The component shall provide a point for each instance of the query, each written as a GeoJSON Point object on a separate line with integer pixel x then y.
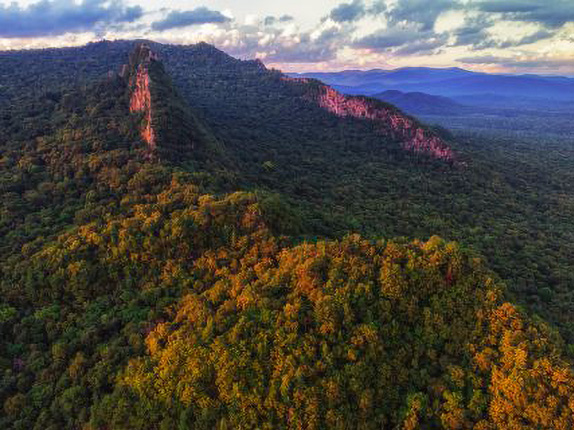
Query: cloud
{"type": "Point", "coordinates": [272, 20]}
{"type": "Point", "coordinates": [474, 31]}
{"type": "Point", "coordinates": [307, 47]}
{"type": "Point", "coordinates": [57, 17]}
{"type": "Point", "coordinates": [483, 59]}
{"type": "Point", "coordinates": [274, 43]}
{"type": "Point", "coordinates": [423, 12]}
{"type": "Point", "coordinates": [409, 28]}
{"type": "Point", "coordinates": [305, 53]}
{"type": "Point", "coordinates": [377, 8]}
{"type": "Point", "coordinates": [348, 12]}
{"type": "Point", "coordinates": [402, 40]}
{"type": "Point", "coordinates": [526, 40]}
{"type": "Point", "coordinates": [387, 38]}
{"type": "Point", "coordinates": [411, 23]}
{"type": "Point", "coordinates": [551, 13]}
{"type": "Point", "coordinates": [356, 10]}
{"type": "Point", "coordinates": [200, 15]}
{"type": "Point", "coordinates": [475, 34]}
{"type": "Point", "coordinates": [540, 63]}
{"type": "Point", "coordinates": [423, 47]}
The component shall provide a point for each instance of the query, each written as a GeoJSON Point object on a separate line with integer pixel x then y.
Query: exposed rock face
{"type": "Point", "coordinates": [414, 136]}
{"type": "Point", "coordinates": [141, 102]}
{"type": "Point", "coordinates": [168, 125]}
{"type": "Point", "coordinates": [139, 83]}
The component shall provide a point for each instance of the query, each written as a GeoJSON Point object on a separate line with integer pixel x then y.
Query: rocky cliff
{"type": "Point", "coordinates": [138, 74]}
{"type": "Point", "coordinates": [168, 125]}
{"type": "Point", "coordinates": [391, 121]}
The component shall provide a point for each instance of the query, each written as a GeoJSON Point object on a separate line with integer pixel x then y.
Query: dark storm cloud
{"type": "Point", "coordinates": [551, 13]}
{"type": "Point", "coordinates": [348, 12]}
{"type": "Point", "coordinates": [52, 18]}
{"type": "Point", "coordinates": [200, 15]}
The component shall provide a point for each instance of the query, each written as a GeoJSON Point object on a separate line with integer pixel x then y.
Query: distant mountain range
{"type": "Point", "coordinates": [462, 86]}
{"type": "Point", "coordinates": [422, 103]}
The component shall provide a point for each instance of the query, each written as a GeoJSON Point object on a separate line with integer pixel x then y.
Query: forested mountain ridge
{"type": "Point", "coordinates": [168, 125]}
{"type": "Point", "coordinates": [146, 292]}
{"type": "Point", "coordinates": [413, 136]}
{"type": "Point", "coordinates": [84, 71]}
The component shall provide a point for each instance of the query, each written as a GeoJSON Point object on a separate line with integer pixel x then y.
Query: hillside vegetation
{"type": "Point", "coordinates": [282, 271]}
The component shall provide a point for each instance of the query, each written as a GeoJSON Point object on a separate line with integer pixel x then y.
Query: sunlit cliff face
{"type": "Point", "coordinates": [401, 127]}
{"type": "Point", "coordinates": [141, 100]}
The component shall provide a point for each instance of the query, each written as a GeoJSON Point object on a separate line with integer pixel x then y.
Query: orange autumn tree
{"type": "Point", "coordinates": [350, 334]}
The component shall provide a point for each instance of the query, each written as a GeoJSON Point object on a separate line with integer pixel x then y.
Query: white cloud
{"type": "Point", "coordinates": [307, 34]}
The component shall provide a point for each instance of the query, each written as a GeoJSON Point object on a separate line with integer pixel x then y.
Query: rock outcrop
{"type": "Point", "coordinates": [391, 121]}
{"type": "Point", "coordinates": [168, 125]}
{"type": "Point", "coordinates": [139, 81]}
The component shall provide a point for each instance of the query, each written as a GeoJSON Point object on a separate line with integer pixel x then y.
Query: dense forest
{"type": "Point", "coordinates": [268, 264]}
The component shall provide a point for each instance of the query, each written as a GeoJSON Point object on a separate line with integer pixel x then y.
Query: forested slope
{"type": "Point", "coordinates": [221, 285]}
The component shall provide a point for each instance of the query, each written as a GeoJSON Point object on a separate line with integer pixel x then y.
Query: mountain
{"type": "Point", "coordinates": [503, 85]}
{"type": "Point", "coordinates": [421, 103]}
{"type": "Point", "coordinates": [168, 125]}
{"type": "Point", "coordinates": [392, 122]}
{"type": "Point", "coordinates": [453, 82]}
{"type": "Point", "coordinates": [193, 241]}
{"type": "Point", "coordinates": [376, 76]}
{"type": "Point", "coordinates": [519, 105]}
{"type": "Point", "coordinates": [220, 69]}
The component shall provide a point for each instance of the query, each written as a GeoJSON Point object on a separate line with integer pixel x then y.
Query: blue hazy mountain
{"type": "Point", "coordinates": [463, 86]}
{"type": "Point", "coordinates": [423, 104]}
{"type": "Point", "coordinates": [387, 77]}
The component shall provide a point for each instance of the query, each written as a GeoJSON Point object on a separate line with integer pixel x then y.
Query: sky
{"type": "Point", "coordinates": [500, 36]}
